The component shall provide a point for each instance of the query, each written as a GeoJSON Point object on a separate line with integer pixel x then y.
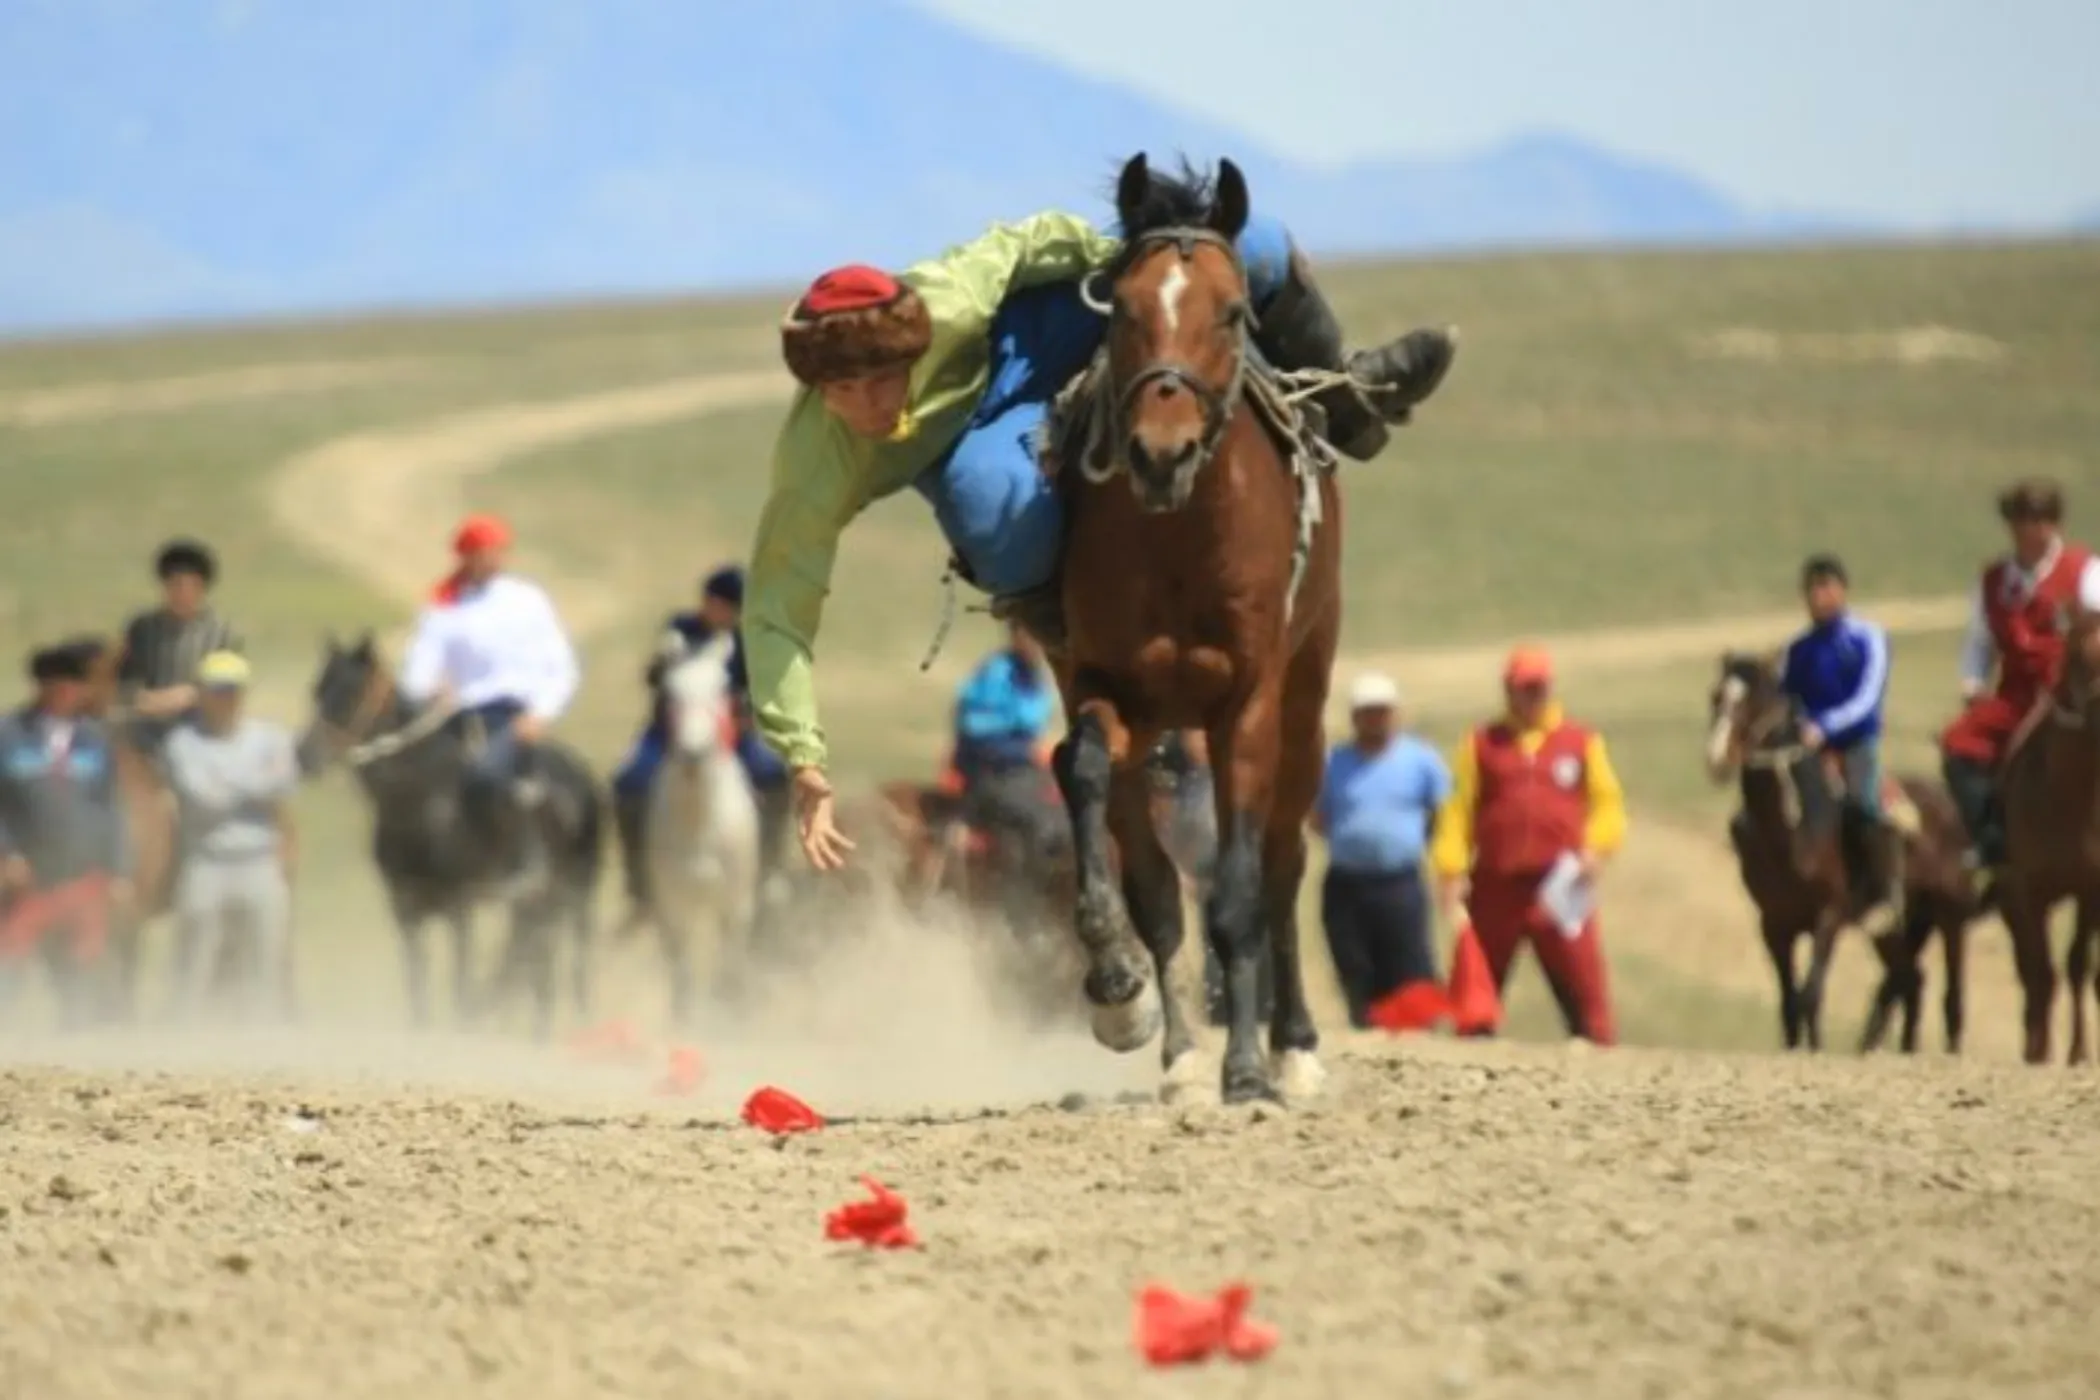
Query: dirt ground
{"type": "Point", "coordinates": [346, 1210]}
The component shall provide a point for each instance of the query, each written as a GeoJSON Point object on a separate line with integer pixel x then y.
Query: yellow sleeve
{"type": "Point", "coordinates": [1605, 831]}
{"type": "Point", "coordinates": [813, 497]}
{"type": "Point", "coordinates": [1451, 848]}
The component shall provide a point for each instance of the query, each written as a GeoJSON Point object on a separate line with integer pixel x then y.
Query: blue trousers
{"type": "Point", "coordinates": [1862, 767]}
{"type": "Point", "coordinates": [762, 767]}
{"type": "Point", "coordinates": [501, 759]}
{"type": "Point", "coordinates": [998, 510]}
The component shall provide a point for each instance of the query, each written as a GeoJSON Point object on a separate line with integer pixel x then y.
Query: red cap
{"type": "Point", "coordinates": [479, 532]}
{"type": "Point", "coordinates": [854, 287]}
{"type": "Point", "coordinates": [1528, 666]}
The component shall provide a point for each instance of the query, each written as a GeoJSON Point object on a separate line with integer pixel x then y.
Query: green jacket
{"type": "Point", "coordinates": [824, 475]}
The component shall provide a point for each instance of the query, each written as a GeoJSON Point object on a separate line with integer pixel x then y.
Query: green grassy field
{"type": "Point", "coordinates": [1627, 440]}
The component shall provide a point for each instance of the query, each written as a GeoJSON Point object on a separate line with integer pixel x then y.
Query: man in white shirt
{"type": "Point", "coordinates": [492, 646]}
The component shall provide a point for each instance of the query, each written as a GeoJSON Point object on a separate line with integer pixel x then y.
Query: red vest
{"type": "Point", "coordinates": [2029, 631]}
{"type": "Point", "coordinates": [1531, 807]}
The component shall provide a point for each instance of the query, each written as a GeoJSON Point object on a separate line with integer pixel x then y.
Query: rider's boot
{"type": "Point", "coordinates": [1974, 791]}
{"type": "Point", "coordinates": [1040, 609]}
{"type": "Point", "coordinates": [1298, 330]}
{"type": "Point", "coordinates": [525, 840]}
{"type": "Point", "coordinates": [1879, 882]}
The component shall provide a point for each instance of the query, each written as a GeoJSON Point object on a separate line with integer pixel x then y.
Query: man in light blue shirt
{"type": "Point", "coordinates": [1376, 806]}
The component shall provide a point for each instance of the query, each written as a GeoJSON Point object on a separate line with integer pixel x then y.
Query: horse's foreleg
{"type": "Point", "coordinates": [1152, 890]}
{"type": "Point", "coordinates": [2028, 921]}
{"type": "Point", "coordinates": [1954, 934]}
{"type": "Point", "coordinates": [1236, 914]}
{"type": "Point", "coordinates": [467, 998]}
{"type": "Point", "coordinates": [2078, 967]}
{"type": "Point", "coordinates": [534, 931]}
{"type": "Point", "coordinates": [415, 959]}
{"type": "Point", "coordinates": [1822, 948]}
{"type": "Point", "coordinates": [1779, 944]}
{"type": "Point", "coordinates": [1119, 984]}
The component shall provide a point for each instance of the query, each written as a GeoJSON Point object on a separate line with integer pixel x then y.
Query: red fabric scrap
{"type": "Point", "coordinates": [878, 1222]}
{"type": "Point", "coordinates": [777, 1111]}
{"type": "Point", "coordinates": [1175, 1329]}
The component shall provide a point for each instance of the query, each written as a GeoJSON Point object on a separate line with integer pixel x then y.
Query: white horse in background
{"type": "Point", "coordinates": [702, 826]}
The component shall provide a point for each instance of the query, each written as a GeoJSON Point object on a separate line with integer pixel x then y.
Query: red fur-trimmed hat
{"type": "Point", "coordinates": [853, 321]}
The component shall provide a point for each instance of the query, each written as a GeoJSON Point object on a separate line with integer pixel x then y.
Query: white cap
{"type": "Point", "coordinates": [1374, 691]}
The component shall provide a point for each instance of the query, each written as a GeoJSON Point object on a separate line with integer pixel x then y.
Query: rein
{"type": "Point", "coordinates": [357, 747]}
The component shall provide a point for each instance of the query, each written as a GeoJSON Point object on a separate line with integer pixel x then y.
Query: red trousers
{"type": "Point", "coordinates": [1506, 916]}
{"type": "Point", "coordinates": [81, 907]}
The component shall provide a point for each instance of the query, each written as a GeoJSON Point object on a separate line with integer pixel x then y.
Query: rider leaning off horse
{"type": "Point", "coordinates": [1837, 674]}
{"type": "Point", "coordinates": [491, 647]}
{"type": "Point", "coordinates": [156, 673]}
{"type": "Point", "coordinates": [720, 610]}
{"type": "Point", "coordinates": [2023, 608]}
{"type": "Point", "coordinates": [941, 379]}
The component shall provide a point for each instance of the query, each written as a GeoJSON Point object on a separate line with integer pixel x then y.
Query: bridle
{"type": "Point", "coordinates": [1216, 402]}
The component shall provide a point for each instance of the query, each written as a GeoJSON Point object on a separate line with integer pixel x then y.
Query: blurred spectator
{"type": "Point", "coordinates": [1377, 806]}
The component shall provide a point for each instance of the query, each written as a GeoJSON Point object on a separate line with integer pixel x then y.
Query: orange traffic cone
{"type": "Point", "coordinates": [1476, 1008]}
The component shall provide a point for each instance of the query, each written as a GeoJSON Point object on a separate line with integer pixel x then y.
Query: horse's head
{"type": "Point", "coordinates": [351, 695]}
{"type": "Point", "coordinates": [1746, 710]}
{"type": "Point", "coordinates": [698, 702]}
{"type": "Point", "coordinates": [2077, 696]}
{"type": "Point", "coordinates": [1178, 322]}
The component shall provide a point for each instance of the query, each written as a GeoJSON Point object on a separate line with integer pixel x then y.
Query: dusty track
{"type": "Point", "coordinates": [78, 403]}
{"type": "Point", "coordinates": [1455, 1222]}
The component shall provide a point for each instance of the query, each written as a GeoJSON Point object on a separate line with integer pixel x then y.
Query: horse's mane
{"type": "Point", "coordinates": [1183, 197]}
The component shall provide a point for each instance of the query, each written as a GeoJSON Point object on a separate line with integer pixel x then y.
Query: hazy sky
{"type": "Point", "coordinates": [1920, 111]}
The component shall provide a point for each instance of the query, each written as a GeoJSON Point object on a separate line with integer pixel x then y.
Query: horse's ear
{"type": "Point", "coordinates": [1131, 188]}
{"type": "Point", "coordinates": [1229, 210]}
{"type": "Point", "coordinates": [367, 646]}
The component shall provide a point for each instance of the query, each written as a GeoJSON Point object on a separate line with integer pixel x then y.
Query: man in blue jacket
{"type": "Point", "coordinates": [1001, 715]}
{"type": "Point", "coordinates": [1837, 673]}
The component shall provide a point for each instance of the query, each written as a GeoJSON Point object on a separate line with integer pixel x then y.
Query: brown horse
{"type": "Point", "coordinates": [2051, 791]}
{"type": "Point", "coordinates": [1201, 591]}
{"type": "Point", "coordinates": [1789, 847]}
{"type": "Point", "coordinates": [149, 814]}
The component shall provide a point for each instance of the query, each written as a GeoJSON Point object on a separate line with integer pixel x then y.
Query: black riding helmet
{"type": "Point", "coordinates": [186, 556]}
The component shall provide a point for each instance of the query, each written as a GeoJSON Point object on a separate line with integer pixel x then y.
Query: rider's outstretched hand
{"type": "Point", "coordinates": [822, 841]}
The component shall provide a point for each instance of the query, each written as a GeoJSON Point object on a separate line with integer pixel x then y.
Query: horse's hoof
{"type": "Point", "coordinates": [1249, 1084]}
{"type": "Point", "coordinates": [1129, 1025]}
{"type": "Point", "coordinates": [1186, 1081]}
{"type": "Point", "coordinates": [1300, 1075]}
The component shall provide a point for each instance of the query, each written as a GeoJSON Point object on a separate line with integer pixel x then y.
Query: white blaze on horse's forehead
{"type": "Point", "coordinates": [1171, 288]}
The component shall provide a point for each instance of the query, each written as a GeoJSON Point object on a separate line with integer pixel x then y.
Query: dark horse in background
{"type": "Point", "coordinates": [2051, 790]}
{"type": "Point", "coordinates": [1201, 591]}
{"type": "Point", "coordinates": [1791, 847]}
{"type": "Point", "coordinates": [434, 860]}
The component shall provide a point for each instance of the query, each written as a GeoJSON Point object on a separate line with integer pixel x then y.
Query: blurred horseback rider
{"type": "Point", "coordinates": [156, 673]}
{"type": "Point", "coordinates": [720, 609]}
{"type": "Point", "coordinates": [2023, 606]}
{"type": "Point", "coordinates": [492, 646]}
{"type": "Point", "coordinates": [940, 379]}
{"type": "Point", "coordinates": [1002, 713]}
{"type": "Point", "coordinates": [1837, 674]}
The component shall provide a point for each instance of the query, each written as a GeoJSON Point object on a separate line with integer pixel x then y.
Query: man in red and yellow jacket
{"type": "Point", "coordinates": [1528, 790]}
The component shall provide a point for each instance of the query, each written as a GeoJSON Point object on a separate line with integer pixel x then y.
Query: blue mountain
{"type": "Point", "coordinates": [181, 158]}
